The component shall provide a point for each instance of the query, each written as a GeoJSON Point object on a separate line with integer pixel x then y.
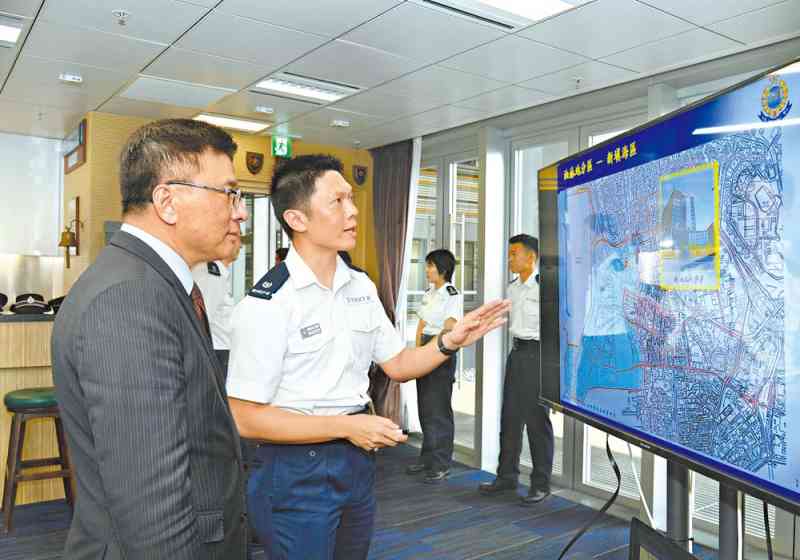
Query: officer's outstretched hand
{"type": "Point", "coordinates": [373, 432]}
{"type": "Point", "coordinates": [477, 323]}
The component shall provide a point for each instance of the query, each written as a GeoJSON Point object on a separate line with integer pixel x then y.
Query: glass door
{"type": "Point", "coordinates": [463, 224]}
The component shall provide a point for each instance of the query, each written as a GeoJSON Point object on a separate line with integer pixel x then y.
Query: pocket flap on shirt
{"type": "Point", "coordinates": [363, 319]}
{"type": "Point", "coordinates": [211, 526]}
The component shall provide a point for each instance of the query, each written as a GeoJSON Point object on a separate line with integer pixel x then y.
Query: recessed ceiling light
{"type": "Point", "coordinates": [340, 123]}
{"type": "Point", "coordinates": [10, 30]}
{"type": "Point", "coordinates": [507, 14]}
{"type": "Point", "coordinates": [122, 16]}
{"type": "Point", "coordinates": [306, 88]}
{"type": "Point", "coordinates": [232, 123]}
{"type": "Point", "coordinates": [71, 79]}
{"type": "Point", "coordinates": [264, 109]}
{"type": "Point", "coordinates": [791, 69]}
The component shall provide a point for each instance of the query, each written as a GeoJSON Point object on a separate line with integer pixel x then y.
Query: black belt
{"type": "Point", "coordinates": [520, 342]}
{"type": "Point", "coordinates": [364, 410]}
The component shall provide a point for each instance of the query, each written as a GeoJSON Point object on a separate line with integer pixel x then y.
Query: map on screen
{"type": "Point", "coordinates": [677, 319]}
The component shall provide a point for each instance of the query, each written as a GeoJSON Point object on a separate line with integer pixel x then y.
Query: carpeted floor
{"type": "Point", "coordinates": [450, 521]}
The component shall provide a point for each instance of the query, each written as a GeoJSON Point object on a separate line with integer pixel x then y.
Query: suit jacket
{"type": "Point", "coordinates": [152, 440]}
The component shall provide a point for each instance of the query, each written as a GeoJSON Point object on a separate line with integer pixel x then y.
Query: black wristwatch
{"type": "Point", "coordinates": [440, 343]}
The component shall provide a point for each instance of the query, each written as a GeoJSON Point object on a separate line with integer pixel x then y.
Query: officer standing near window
{"type": "Point", "coordinates": [213, 279]}
{"type": "Point", "coordinates": [442, 306]}
{"type": "Point", "coordinates": [303, 341]}
{"type": "Point", "coordinates": [521, 406]}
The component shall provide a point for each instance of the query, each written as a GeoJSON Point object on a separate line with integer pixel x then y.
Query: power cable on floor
{"type": "Point", "coordinates": [605, 507]}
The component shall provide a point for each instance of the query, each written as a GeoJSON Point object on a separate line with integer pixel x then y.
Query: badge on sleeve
{"type": "Point", "coordinates": [452, 290]}
{"type": "Point", "coordinates": [213, 269]}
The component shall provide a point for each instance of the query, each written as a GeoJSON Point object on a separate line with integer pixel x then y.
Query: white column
{"type": "Point", "coordinates": [493, 153]}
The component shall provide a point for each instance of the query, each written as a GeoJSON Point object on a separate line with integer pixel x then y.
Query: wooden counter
{"type": "Point", "coordinates": [25, 362]}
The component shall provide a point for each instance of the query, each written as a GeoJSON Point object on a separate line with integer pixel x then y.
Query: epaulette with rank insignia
{"type": "Point", "coordinates": [452, 290]}
{"type": "Point", "coordinates": [271, 282]}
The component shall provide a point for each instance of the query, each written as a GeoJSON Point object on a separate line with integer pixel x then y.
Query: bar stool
{"type": "Point", "coordinates": [24, 405]}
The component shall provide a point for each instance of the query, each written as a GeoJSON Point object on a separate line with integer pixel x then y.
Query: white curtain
{"type": "Point", "coordinates": [408, 391]}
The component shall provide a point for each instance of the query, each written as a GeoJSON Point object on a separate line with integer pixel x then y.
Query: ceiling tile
{"type": "Point", "coordinates": [440, 118]}
{"type": "Point", "coordinates": [243, 104]}
{"type": "Point", "coordinates": [36, 120]}
{"type": "Point", "coordinates": [162, 21]}
{"type": "Point", "coordinates": [440, 84]}
{"type": "Point", "coordinates": [353, 64]}
{"type": "Point", "coordinates": [702, 12]}
{"type": "Point", "coordinates": [691, 46]}
{"type": "Point", "coordinates": [90, 47]}
{"type": "Point", "coordinates": [323, 117]}
{"type": "Point", "coordinates": [776, 21]}
{"type": "Point", "coordinates": [511, 98]}
{"type": "Point", "coordinates": [27, 8]}
{"type": "Point", "coordinates": [245, 39]}
{"type": "Point", "coordinates": [422, 34]}
{"type": "Point", "coordinates": [146, 109]}
{"type": "Point", "coordinates": [605, 27]}
{"type": "Point", "coordinates": [35, 80]}
{"type": "Point", "coordinates": [322, 17]}
{"type": "Point", "coordinates": [592, 75]}
{"type": "Point", "coordinates": [374, 102]}
{"type": "Point", "coordinates": [198, 68]}
{"type": "Point", "coordinates": [513, 59]}
{"type": "Point", "coordinates": [173, 92]}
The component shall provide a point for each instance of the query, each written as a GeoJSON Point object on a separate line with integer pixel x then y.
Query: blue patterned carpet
{"type": "Point", "coordinates": [417, 521]}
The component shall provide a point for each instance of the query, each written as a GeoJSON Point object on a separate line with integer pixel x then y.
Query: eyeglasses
{"type": "Point", "coordinates": [234, 195]}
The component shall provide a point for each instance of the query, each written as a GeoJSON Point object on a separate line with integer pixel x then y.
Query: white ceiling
{"type": "Point", "coordinates": [421, 69]}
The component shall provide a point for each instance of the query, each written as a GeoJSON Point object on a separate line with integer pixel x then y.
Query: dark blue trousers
{"type": "Point", "coordinates": [313, 501]}
{"type": "Point", "coordinates": [434, 400]}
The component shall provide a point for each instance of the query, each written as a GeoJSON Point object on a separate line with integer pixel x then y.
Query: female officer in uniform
{"type": "Point", "coordinates": [442, 307]}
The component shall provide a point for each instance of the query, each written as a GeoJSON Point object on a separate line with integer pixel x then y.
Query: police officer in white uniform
{"type": "Point", "coordinates": [441, 307]}
{"type": "Point", "coordinates": [303, 340]}
{"type": "Point", "coordinates": [213, 279]}
{"type": "Point", "coordinates": [521, 406]}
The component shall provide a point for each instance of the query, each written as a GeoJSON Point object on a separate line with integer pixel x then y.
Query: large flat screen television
{"type": "Point", "coordinates": [670, 263]}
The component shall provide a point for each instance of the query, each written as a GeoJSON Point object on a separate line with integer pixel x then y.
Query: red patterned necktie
{"type": "Point", "coordinates": [200, 308]}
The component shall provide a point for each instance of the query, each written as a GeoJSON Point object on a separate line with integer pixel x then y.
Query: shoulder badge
{"type": "Point", "coordinates": [452, 290]}
{"type": "Point", "coordinates": [271, 282]}
{"type": "Point", "coordinates": [213, 269]}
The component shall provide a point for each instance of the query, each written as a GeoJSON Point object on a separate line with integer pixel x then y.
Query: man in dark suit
{"type": "Point", "coordinates": [141, 393]}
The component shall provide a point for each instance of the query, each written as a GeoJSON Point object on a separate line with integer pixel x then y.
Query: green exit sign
{"type": "Point", "coordinates": [281, 146]}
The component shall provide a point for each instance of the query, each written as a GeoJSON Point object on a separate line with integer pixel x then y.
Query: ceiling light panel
{"type": "Point", "coordinates": [223, 121]}
{"type": "Point", "coordinates": [10, 30]}
{"type": "Point", "coordinates": [509, 15]}
{"type": "Point", "coordinates": [305, 88]}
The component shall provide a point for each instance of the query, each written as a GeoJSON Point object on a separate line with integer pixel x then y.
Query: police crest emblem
{"type": "Point", "coordinates": [360, 174]}
{"type": "Point", "coordinates": [775, 103]}
{"type": "Point", "coordinates": [255, 162]}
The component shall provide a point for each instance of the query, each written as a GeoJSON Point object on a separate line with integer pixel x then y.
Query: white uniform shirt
{"type": "Point", "coordinates": [309, 348]}
{"type": "Point", "coordinates": [218, 299]}
{"type": "Point", "coordinates": [438, 305]}
{"type": "Point", "coordinates": [524, 298]}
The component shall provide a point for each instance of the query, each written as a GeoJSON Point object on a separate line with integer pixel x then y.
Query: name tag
{"type": "Point", "coordinates": [311, 330]}
{"type": "Point", "coordinates": [358, 300]}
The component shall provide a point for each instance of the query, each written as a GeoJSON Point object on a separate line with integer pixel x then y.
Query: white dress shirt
{"type": "Point", "coordinates": [439, 305]}
{"type": "Point", "coordinates": [213, 279]}
{"type": "Point", "coordinates": [524, 298]}
{"type": "Point", "coordinates": [309, 348]}
{"type": "Point", "coordinates": [174, 261]}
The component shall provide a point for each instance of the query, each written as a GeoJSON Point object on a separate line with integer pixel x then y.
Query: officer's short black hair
{"type": "Point", "coordinates": [165, 150]}
{"type": "Point", "coordinates": [293, 183]}
{"type": "Point", "coordinates": [281, 253]}
{"type": "Point", "coordinates": [444, 261]}
{"type": "Point", "coordinates": [528, 240]}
